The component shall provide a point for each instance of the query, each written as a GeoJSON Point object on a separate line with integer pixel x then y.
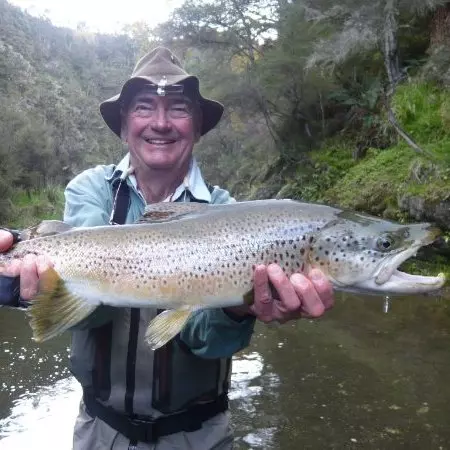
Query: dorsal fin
{"type": "Point", "coordinates": [45, 228]}
{"type": "Point", "coordinates": [168, 211]}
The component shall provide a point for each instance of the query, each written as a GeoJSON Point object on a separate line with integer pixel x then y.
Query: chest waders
{"type": "Point", "coordinates": [188, 389]}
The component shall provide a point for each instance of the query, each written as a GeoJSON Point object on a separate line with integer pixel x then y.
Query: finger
{"type": "Point", "coordinates": [311, 304]}
{"type": "Point", "coordinates": [323, 287]}
{"type": "Point", "coordinates": [6, 240]}
{"type": "Point", "coordinates": [262, 306]}
{"type": "Point", "coordinates": [12, 269]}
{"type": "Point", "coordinates": [289, 300]}
{"type": "Point", "coordinates": [43, 264]}
{"type": "Point", "coordinates": [28, 277]}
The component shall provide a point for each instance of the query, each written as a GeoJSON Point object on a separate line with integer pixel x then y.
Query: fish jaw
{"type": "Point", "coordinates": [404, 283]}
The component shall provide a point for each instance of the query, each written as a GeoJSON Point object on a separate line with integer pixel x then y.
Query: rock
{"type": "Point", "coordinates": [421, 209]}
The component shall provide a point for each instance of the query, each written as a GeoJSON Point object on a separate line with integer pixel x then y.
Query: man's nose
{"type": "Point", "coordinates": [161, 120]}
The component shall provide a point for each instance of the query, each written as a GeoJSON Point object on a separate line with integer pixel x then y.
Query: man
{"type": "Point", "coordinates": [175, 397]}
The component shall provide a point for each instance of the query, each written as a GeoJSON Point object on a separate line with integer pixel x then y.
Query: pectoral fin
{"type": "Point", "coordinates": [166, 326]}
{"type": "Point", "coordinates": [55, 309]}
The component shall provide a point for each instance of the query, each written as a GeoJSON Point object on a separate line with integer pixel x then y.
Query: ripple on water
{"type": "Point", "coordinates": [35, 415]}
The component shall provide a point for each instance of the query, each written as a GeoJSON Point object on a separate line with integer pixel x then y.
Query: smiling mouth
{"type": "Point", "coordinates": [159, 141]}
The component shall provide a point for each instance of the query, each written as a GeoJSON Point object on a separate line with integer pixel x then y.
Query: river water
{"type": "Point", "coordinates": [359, 378]}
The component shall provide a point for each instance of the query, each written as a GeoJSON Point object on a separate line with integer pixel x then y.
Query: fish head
{"type": "Point", "coordinates": [362, 253]}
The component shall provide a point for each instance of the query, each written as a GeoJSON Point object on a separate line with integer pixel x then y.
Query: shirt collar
{"type": "Point", "coordinates": [193, 181]}
{"type": "Point", "coordinates": [120, 168]}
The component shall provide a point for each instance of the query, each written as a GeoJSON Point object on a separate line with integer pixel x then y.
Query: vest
{"type": "Point", "coordinates": [177, 379]}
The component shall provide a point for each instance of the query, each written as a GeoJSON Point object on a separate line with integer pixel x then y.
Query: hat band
{"type": "Point", "coordinates": [162, 89]}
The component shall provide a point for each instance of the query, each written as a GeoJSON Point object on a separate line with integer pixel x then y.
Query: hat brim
{"type": "Point", "coordinates": [111, 109]}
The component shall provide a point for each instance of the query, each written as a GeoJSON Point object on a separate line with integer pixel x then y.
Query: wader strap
{"type": "Point", "coordinates": [144, 429]}
{"type": "Point", "coordinates": [121, 194]}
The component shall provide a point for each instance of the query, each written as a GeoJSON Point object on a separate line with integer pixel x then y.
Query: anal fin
{"type": "Point", "coordinates": [54, 309]}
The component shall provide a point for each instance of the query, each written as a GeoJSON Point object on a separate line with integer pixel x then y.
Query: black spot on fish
{"type": "Point", "coordinates": [302, 251]}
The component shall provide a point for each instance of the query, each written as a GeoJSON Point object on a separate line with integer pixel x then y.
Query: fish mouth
{"type": "Point", "coordinates": [390, 279]}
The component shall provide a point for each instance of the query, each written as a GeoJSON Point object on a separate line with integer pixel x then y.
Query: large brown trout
{"type": "Point", "coordinates": [185, 256]}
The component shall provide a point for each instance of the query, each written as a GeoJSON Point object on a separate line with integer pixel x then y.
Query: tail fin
{"type": "Point", "coordinates": [54, 309]}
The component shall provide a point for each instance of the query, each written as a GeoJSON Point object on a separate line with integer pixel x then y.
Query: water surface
{"type": "Point", "coordinates": [359, 378]}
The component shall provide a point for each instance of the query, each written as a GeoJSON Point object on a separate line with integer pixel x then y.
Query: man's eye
{"type": "Point", "coordinates": [142, 107]}
{"type": "Point", "coordinates": [180, 108]}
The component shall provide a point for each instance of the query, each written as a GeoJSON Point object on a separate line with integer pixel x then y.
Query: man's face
{"type": "Point", "coordinates": [160, 131]}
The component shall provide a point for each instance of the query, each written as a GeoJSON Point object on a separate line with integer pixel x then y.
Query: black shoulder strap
{"type": "Point", "coordinates": [122, 202]}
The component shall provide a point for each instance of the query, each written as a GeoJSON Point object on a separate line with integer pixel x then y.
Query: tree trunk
{"type": "Point", "coordinates": [440, 27]}
{"type": "Point", "coordinates": [389, 45]}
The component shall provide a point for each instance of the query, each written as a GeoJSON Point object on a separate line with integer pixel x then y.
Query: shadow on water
{"type": "Point", "coordinates": [356, 379]}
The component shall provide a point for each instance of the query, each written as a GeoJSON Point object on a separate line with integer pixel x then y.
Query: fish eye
{"type": "Point", "coordinates": [385, 242]}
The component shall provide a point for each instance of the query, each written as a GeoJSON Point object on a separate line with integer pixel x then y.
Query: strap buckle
{"type": "Point", "coordinates": [143, 430]}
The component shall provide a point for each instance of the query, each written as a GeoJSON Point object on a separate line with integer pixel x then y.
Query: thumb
{"type": "Point", "coordinates": [6, 240]}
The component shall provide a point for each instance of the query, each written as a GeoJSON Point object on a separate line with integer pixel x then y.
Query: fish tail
{"type": "Point", "coordinates": [55, 309]}
{"type": "Point", "coordinates": [166, 326]}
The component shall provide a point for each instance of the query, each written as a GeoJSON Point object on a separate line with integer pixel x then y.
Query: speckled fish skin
{"type": "Point", "coordinates": [206, 256]}
{"type": "Point", "coordinates": [188, 256]}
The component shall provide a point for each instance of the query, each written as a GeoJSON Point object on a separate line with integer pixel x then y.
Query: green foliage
{"type": "Point", "coordinates": [30, 207]}
{"type": "Point", "coordinates": [373, 184]}
{"type": "Point", "coordinates": [423, 109]}
{"type": "Point", "coordinates": [51, 82]}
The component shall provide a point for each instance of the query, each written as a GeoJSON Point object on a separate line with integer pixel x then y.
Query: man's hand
{"type": "Point", "coordinates": [298, 296]}
{"type": "Point", "coordinates": [29, 268]}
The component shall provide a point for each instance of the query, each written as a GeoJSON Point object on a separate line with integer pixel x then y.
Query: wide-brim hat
{"type": "Point", "coordinates": [160, 68]}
